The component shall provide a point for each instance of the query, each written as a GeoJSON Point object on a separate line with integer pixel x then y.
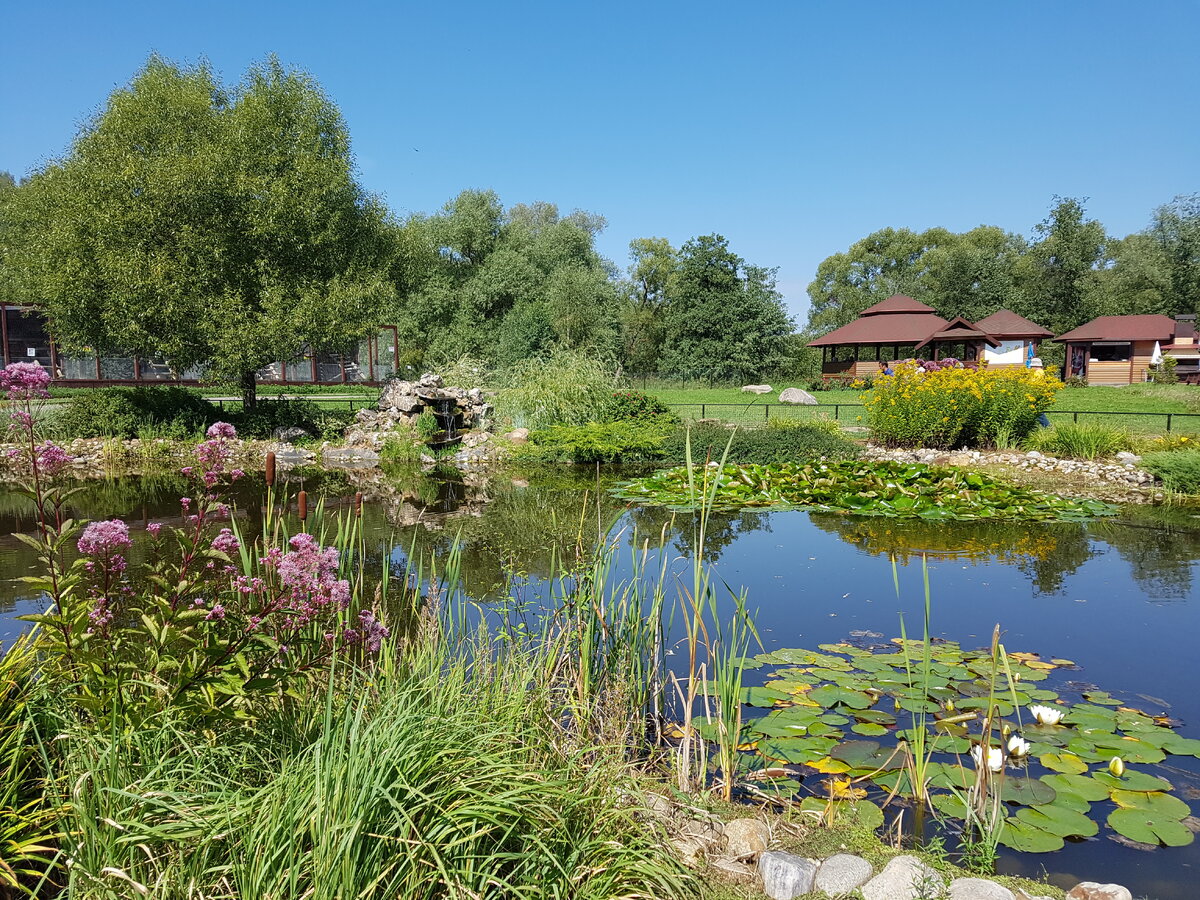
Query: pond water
{"type": "Point", "coordinates": [1118, 597]}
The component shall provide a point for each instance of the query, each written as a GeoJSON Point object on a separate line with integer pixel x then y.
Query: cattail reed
{"type": "Point", "coordinates": [358, 498]}
{"type": "Point", "coordinates": [302, 505]}
{"type": "Point", "coordinates": [271, 468]}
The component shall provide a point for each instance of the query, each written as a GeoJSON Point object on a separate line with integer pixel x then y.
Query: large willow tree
{"type": "Point", "coordinates": [215, 227]}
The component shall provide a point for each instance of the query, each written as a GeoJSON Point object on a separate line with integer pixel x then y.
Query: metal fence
{"type": "Point", "coordinates": [320, 401]}
{"type": "Point", "coordinates": [851, 414]}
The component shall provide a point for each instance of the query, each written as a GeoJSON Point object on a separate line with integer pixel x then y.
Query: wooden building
{"type": "Point", "coordinates": [1115, 350]}
{"type": "Point", "coordinates": [24, 338]}
{"type": "Point", "coordinates": [903, 328]}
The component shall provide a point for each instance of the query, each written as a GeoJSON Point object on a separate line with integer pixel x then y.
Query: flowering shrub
{"type": "Point", "coordinates": [951, 406]}
{"type": "Point", "coordinates": [205, 623]}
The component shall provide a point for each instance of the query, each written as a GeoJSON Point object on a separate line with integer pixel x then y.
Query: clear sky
{"type": "Point", "coordinates": [793, 128]}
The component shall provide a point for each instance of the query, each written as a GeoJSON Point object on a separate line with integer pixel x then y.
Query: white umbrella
{"type": "Point", "coordinates": [1156, 356]}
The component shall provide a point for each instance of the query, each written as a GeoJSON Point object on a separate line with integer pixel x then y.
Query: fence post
{"type": "Point", "coordinates": [1169, 415]}
{"type": "Point", "coordinates": [766, 412]}
{"type": "Point", "coordinates": [837, 411]}
{"type": "Point", "coordinates": [1075, 417]}
{"type": "Point", "coordinates": [702, 415]}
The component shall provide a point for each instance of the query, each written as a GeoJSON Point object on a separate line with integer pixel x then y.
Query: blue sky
{"type": "Point", "coordinates": [791, 128]}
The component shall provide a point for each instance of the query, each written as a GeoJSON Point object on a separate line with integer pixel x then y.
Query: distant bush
{"type": "Point", "coordinates": [951, 407]}
{"type": "Point", "coordinates": [1085, 440]}
{"type": "Point", "coordinates": [567, 388]}
{"type": "Point", "coordinates": [1179, 470]}
{"type": "Point", "coordinates": [634, 405]}
{"type": "Point", "coordinates": [623, 441]}
{"type": "Point", "coordinates": [781, 443]}
{"type": "Point", "coordinates": [127, 412]}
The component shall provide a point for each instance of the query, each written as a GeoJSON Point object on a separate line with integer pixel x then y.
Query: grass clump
{"type": "Point", "coordinates": [607, 442]}
{"type": "Point", "coordinates": [566, 388]}
{"type": "Point", "coordinates": [1082, 440]}
{"type": "Point", "coordinates": [1179, 470]}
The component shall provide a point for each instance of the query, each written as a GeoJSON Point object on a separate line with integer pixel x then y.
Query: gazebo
{"type": "Point", "coordinates": [901, 327]}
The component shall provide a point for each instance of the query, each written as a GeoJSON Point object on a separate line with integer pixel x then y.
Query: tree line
{"type": "Point", "coordinates": [223, 227]}
{"type": "Point", "coordinates": [1071, 270]}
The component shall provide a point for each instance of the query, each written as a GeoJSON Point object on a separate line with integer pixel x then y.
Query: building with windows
{"type": "Point", "coordinates": [903, 328]}
{"type": "Point", "coordinates": [1125, 349]}
{"type": "Point", "coordinates": [26, 339]}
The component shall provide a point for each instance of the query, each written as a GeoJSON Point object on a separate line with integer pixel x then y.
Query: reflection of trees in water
{"type": "Point", "coordinates": [1046, 553]}
{"type": "Point", "coordinates": [1160, 544]}
{"type": "Point", "coordinates": [682, 528]}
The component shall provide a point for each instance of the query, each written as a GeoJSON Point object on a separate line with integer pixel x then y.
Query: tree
{"type": "Point", "coordinates": [1176, 230]}
{"type": "Point", "coordinates": [213, 227]}
{"type": "Point", "coordinates": [726, 320]}
{"type": "Point", "coordinates": [652, 273]}
{"type": "Point", "coordinates": [1055, 273]}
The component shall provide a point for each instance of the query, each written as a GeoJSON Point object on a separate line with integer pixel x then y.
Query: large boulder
{"type": "Point", "coordinates": [904, 878]}
{"type": "Point", "coordinates": [756, 389]}
{"type": "Point", "coordinates": [795, 395]}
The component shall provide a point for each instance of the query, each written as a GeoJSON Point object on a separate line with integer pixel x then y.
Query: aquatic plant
{"type": "Point", "coordinates": [830, 709]}
{"type": "Point", "coordinates": [864, 488]}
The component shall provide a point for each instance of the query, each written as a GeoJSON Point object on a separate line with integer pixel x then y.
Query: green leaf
{"type": "Point", "coordinates": [1059, 821]}
{"type": "Point", "coordinates": [1147, 828]}
{"type": "Point", "coordinates": [1067, 763]}
{"type": "Point", "coordinates": [1027, 838]}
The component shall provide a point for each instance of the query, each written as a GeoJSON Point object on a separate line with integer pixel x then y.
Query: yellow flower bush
{"type": "Point", "coordinates": [953, 407]}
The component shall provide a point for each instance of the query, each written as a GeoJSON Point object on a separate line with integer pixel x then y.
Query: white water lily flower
{"type": "Point", "coordinates": [1046, 715]}
{"type": "Point", "coordinates": [1017, 746]}
{"type": "Point", "coordinates": [995, 758]}
{"type": "Point", "coordinates": [1116, 766]}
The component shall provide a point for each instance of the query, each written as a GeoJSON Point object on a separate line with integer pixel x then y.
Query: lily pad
{"type": "Point", "coordinates": [1059, 821]}
{"type": "Point", "coordinates": [1067, 763]}
{"type": "Point", "coordinates": [1145, 827]}
{"type": "Point", "coordinates": [1026, 791]}
{"type": "Point", "coordinates": [1133, 781]}
{"type": "Point", "coordinates": [1027, 838]}
{"type": "Point", "coordinates": [1082, 785]}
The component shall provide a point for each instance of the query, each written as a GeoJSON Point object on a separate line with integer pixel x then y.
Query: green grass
{"type": "Point", "coordinates": [1136, 403]}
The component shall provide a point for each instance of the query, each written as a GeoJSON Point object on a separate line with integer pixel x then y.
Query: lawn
{"type": "Point", "coordinates": [1136, 403]}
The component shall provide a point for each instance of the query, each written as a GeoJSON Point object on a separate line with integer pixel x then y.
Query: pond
{"type": "Point", "coordinates": [1116, 596]}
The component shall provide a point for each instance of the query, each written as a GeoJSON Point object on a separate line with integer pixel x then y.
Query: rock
{"type": "Point", "coordinates": [904, 878]}
{"type": "Point", "coordinates": [1092, 890]}
{"type": "Point", "coordinates": [756, 389]}
{"type": "Point", "coordinates": [1033, 454]}
{"type": "Point", "coordinates": [841, 874]}
{"type": "Point", "coordinates": [1130, 459]}
{"type": "Point", "coordinates": [349, 458]}
{"type": "Point", "coordinates": [795, 395]}
{"type": "Point", "coordinates": [293, 456]}
{"type": "Point", "coordinates": [735, 871]}
{"type": "Point", "coordinates": [746, 837]}
{"type": "Point", "coordinates": [518, 436]}
{"type": "Point", "coordinates": [689, 850]}
{"type": "Point", "coordinates": [287, 435]}
{"type": "Point", "coordinates": [786, 875]}
{"type": "Point", "coordinates": [978, 889]}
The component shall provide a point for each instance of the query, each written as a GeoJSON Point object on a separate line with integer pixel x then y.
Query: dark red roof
{"type": "Point", "coordinates": [1004, 323]}
{"type": "Point", "coordinates": [894, 328]}
{"type": "Point", "coordinates": [959, 329]}
{"type": "Point", "coordinates": [1123, 328]}
{"type": "Point", "coordinates": [897, 303]}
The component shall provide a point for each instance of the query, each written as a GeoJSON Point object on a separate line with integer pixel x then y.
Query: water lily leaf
{"type": "Point", "coordinates": [834, 695]}
{"type": "Point", "coordinates": [1059, 821]}
{"type": "Point", "coordinates": [868, 729]}
{"type": "Point", "coordinates": [867, 755]}
{"type": "Point", "coordinates": [1026, 791]}
{"type": "Point", "coordinates": [1181, 746]}
{"type": "Point", "coordinates": [1101, 697]}
{"type": "Point", "coordinates": [1082, 785]}
{"type": "Point", "coordinates": [1070, 800]}
{"type": "Point", "coordinates": [1145, 827]}
{"type": "Point", "coordinates": [1028, 838]}
{"type": "Point", "coordinates": [1129, 749]}
{"type": "Point", "coordinates": [949, 805]}
{"type": "Point", "coordinates": [796, 749]}
{"type": "Point", "coordinates": [860, 813]}
{"type": "Point", "coordinates": [1163, 806]}
{"type": "Point", "coordinates": [1067, 763]}
{"type": "Point", "coordinates": [1133, 781]}
{"type": "Point", "coordinates": [878, 716]}
{"type": "Point", "coordinates": [829, 766]}
{"type": "Point", "coordinates": [764, 697]}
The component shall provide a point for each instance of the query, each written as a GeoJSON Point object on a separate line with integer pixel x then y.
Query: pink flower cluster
{"type": "Point", "coordinates": [103, 539]}
{"type": "Point", "coordinates": [25, 381]}
{"type": "Point", "coordinates": [226, 542]}
{"type": "Point", "coordinates": [370, 632]}
{"type": "Point", "coordinates": [213, 454]}
{"type": "Point", "coordinates": [221, 430]}
{"type": "Point", "coordinates": [308, 575]}
{"type": "Point", "coordinates": [51, 458]}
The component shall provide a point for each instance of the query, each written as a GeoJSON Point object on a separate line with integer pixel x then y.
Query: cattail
{"type": "Point", "coordinates": [358, 504]}
{"type": "Point", "coordinates": [302, 505]}
{"type": "Point", "coordinates": [271, 468]}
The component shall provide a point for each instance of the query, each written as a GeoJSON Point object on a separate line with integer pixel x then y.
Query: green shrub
{"type": "Point", "coordinates": [268, 416]}
{"type": "Point", "coordinates": [567, 388]}
{"type": "Point", "coordinates": [127, 412]}
{"type": "Point", "coordinates": [1082, 440]}
{"type": "Point", "coordinates": [1164, 372]}
{"type": "Point", "coordinates": [1178, 469]}
{"type": "Point", "coordinates": [636, 406]}
{"type": "Point", "coordinates": [597, 442]}
{"type": "Point", "coordinates": [777, 444]}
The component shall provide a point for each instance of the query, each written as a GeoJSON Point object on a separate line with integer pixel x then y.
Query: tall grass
{"type": "Point", "coordinates": [1083, 440]}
